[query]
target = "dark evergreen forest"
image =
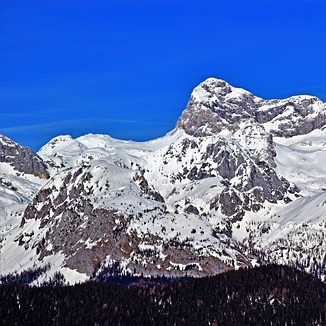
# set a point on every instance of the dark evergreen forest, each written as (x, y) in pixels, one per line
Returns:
(266, 295)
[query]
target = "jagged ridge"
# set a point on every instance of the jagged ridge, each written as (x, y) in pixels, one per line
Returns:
(197, 201)
(215, 105)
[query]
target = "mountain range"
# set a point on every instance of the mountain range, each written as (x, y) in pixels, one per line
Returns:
(240, 181)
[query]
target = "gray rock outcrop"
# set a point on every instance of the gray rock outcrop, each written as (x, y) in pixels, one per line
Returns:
(22, 159)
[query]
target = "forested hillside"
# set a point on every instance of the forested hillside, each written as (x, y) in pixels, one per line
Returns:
(266, 295)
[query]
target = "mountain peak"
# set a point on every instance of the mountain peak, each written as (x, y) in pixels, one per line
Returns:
(215, 105)
(22, 159)
(176, 205)
(218, 87)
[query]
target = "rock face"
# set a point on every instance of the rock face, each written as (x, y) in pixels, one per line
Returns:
(22, 159)
(215, 105)
(233, 184)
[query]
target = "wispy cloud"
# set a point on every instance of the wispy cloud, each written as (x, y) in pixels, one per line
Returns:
(26, 114)
(58, 124)
(72, 124)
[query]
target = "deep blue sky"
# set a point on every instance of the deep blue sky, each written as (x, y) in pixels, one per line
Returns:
(126, 68)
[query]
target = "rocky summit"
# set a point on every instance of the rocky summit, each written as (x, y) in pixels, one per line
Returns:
(240, 181)
(215, 105)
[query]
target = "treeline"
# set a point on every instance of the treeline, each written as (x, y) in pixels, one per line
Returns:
(266, 295)
(30, 275)
(116, 274)
(24, 277)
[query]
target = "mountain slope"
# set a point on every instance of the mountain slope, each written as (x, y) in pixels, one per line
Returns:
(232, 184)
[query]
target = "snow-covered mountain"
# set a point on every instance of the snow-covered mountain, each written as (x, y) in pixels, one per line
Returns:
(239, 180)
